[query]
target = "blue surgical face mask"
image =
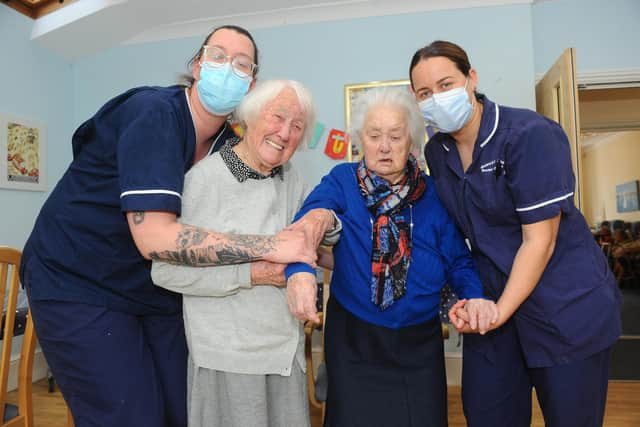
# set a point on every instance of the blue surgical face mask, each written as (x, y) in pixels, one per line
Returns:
(220, 89)
(448, 111)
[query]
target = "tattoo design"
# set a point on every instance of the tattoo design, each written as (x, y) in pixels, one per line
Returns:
(232, 249)
(191, 236)
(138, 218)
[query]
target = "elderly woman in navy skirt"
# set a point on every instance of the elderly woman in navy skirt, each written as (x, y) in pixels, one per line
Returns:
(397, 249)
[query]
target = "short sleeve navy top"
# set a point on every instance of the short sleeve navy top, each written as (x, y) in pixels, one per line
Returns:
(521, 174)
(132, 155)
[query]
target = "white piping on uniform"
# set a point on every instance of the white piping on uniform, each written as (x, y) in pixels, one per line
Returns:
(136, 192)
(495, 127)
(548, 202)
(488, 164)
(215, 141)
(493, 131)
(193, 120)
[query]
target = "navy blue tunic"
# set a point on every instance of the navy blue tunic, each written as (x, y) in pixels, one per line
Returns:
(130, 156)
(521, 174)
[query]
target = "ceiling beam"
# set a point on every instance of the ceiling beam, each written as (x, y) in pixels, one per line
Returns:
(34, 9)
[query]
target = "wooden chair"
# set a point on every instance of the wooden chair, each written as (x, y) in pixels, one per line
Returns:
(22, 414)
(70, 422)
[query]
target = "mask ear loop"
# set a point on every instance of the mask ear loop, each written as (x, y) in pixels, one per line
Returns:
(474, 101)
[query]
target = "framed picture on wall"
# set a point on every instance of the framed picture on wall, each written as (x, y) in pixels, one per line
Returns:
(351, 93)
(22, 154)
(627, 196)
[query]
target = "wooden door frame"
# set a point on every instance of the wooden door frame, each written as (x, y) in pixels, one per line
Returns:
(604, 79)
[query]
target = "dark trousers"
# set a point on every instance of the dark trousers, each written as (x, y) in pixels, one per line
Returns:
(381, 377)
(497, 385)
(113, 368)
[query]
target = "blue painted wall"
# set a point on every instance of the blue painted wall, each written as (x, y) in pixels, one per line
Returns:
(34, 85)
(606, 34)
(326, 56)
(508, 45)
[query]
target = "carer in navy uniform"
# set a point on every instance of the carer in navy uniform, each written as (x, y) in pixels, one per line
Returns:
(114, 341)
(505, 176)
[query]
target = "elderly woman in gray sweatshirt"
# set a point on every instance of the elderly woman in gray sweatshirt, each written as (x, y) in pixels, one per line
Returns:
(246, 364)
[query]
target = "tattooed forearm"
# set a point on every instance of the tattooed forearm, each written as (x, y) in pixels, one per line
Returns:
(200, 257)
(137, 217)
(257, 245)
(234, 249)
(190, 236)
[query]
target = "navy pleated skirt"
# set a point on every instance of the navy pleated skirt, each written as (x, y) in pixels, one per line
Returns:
(382, 377)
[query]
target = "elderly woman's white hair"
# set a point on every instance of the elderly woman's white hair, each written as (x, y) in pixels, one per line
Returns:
(264, 91)
(391, 97)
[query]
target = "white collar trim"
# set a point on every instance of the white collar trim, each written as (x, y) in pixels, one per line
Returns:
(493, 131)
(495, 127)
(193, 121)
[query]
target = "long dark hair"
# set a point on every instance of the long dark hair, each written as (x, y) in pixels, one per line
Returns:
(442, 48)
(188, 78)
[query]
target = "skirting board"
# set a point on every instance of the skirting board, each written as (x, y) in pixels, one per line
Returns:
(40, 369)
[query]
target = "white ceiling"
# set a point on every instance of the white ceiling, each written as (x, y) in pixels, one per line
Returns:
(85, 27)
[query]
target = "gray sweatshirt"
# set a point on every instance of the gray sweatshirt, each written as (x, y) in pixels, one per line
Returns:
(231, 325)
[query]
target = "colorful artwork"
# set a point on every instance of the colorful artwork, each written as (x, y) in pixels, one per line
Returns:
(22, 150)
(23, 162)
(337, 144)
(237, 129)
(627, 196)
(318, 129)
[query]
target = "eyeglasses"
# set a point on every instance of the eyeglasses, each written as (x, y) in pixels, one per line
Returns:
(242, 65)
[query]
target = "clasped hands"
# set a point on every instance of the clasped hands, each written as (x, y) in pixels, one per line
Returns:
(300, 242)
(476, 315)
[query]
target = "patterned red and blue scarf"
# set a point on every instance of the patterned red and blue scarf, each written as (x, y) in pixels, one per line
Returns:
(391, 234)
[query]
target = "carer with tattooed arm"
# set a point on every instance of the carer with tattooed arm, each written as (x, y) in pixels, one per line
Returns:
(115, 342)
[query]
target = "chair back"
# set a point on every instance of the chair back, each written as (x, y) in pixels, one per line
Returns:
(617, 224)
(9, 288)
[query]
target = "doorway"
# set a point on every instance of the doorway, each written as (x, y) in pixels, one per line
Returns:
(610, 163)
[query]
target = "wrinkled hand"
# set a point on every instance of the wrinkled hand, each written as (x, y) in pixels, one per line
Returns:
(325, 257)
(291, 246)
(474, 315)
(301, 296)
(315, 224)
(483, 314)
(268, 273)
(458, 315)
